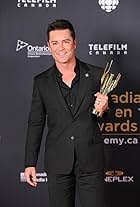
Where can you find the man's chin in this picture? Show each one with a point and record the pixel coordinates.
(62, 61)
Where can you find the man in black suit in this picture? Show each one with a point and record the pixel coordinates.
(66, 94)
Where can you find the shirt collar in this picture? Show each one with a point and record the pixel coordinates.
(59, 74)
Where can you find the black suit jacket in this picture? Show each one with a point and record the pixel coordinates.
(65, 131)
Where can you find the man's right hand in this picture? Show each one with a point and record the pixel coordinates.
(30, 175)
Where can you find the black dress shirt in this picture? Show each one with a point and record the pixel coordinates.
(69, 93)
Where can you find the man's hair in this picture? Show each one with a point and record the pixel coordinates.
(61, 24)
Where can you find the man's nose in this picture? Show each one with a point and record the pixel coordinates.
(61, 46)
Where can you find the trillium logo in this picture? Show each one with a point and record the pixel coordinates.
(21, 45)
(108, 5)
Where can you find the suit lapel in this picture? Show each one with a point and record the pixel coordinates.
(54, 87)
(60, 97)
(84, 81)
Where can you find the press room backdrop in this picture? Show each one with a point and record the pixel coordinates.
(105, 29)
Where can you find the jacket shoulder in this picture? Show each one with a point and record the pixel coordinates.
(92, 68)
(44, 74)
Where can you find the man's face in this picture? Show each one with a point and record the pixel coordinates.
(62, 46)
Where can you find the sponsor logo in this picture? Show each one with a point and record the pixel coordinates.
(107, 49)
(108, 5)
(118, 176)
(21, 45)
(32, 51)
(114, 173)
(41, 177)
(37, 3)
(121, 141)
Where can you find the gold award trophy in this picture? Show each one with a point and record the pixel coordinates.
(108, 82)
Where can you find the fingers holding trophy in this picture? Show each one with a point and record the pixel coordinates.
(108, 84)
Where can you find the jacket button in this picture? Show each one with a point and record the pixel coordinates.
(72, 137)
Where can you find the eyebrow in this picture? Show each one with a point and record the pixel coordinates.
(62, 40)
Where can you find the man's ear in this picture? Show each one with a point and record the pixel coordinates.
(75, 43)
(49, 46)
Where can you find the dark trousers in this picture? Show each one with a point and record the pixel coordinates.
(90, 188)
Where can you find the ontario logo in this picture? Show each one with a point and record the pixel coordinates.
(118, 176)
(108, 5)
(32, 51)
(36, 3)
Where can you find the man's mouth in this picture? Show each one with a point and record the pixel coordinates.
(61, 54)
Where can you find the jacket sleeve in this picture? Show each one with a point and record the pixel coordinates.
(36, 123)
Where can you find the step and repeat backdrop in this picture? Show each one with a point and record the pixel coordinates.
(106, 30)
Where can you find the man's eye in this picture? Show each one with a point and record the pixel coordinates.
(66, 41)
(54, 43)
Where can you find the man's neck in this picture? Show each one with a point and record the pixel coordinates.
(66, 67)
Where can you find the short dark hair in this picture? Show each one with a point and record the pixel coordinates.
(60, 24)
